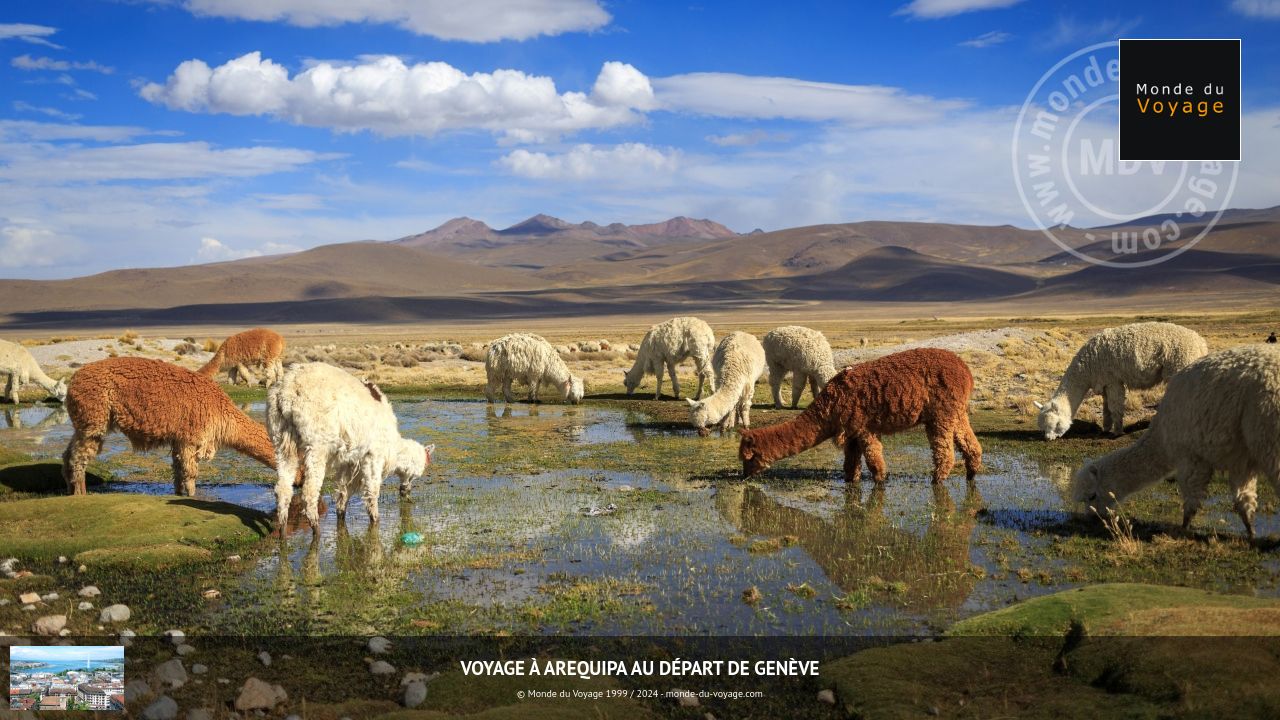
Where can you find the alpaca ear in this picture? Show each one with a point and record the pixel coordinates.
(429, 450)
(1039, 405)
(692, 403)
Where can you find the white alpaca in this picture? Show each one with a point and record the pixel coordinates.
(802, 352)
(1221, 413)
(17, 363)
(531, 360)
(668, 344)
(324, 418)
(1129, 357)
(738, 363)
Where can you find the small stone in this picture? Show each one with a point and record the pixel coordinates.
(49, 597)
(264, 657)
(933, 710)
(114, 614)
(686, 698)
(233, 558)
(164, 708)
(136, 690)
(9, 566)
(49, 625)
(379, 645)
(185, 649)
(625, 488)
(223, 681)
(83, 568)
(292, 717)
(171, 673)
(29, 598)
(28, 608)
(85, 605)
(198, 669)
(413, 677)
(62, 559)
(212, 594)
(382, 667)
(4, 601)
(258, 695)
(827, 697)
(200, 714)
(177, 637)
(64, 632)
(415, 693)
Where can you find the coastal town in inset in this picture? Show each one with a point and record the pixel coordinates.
(66, 677)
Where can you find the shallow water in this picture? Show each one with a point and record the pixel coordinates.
(514, 550)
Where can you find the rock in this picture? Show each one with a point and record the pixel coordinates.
(379, 645)
(83, 568)
(171, 673)
(114, 614)
(933, 710)
(382, 667)
(28, 608)
(50, 597)
(264, 657)
(198, 669)
(29, 598)
(417, 677)
(85, 605)
(686, 698)
(64, 632)
(258, 695)
(827, 697)
(223, 681)
(177, 637)
(9, 566)
(415, 693)
(185, 649)
(292, 717)
(136, 690)
(233, 558)
(164, 708)
(200, 714)
(211, 594)
(62, 559)
(49, 625)
(4, 601)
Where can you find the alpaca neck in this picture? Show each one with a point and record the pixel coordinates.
(1073, 388)
(789, 438)
(37, 376)
(725, 398)
(244, 435)
(1137, 466)
(214, 365)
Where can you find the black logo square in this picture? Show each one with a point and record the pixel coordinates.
(1180, 100)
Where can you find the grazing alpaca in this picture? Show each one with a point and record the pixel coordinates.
(17, 363)
(259, 346)
(532, 360)
(155, 404)
(322, 417)
(885, 396)
(1221, 413)
(738, 362)
(668, 344)
(1136, 357)
(802, 352)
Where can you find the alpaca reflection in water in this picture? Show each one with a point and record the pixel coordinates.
(860, 549)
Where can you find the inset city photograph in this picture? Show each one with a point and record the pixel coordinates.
(86, 677)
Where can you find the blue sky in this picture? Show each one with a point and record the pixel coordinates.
(167, 132)
(66, 653)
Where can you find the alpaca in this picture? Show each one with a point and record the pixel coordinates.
(666, 345)
(1136, 356)
(738, 363)
(531, 359)
(259, 346)
(17, 363)
(884, 396)
(802, 352)
(321, 417)
(1221, 413)
(154, 404)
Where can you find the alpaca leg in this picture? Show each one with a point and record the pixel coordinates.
(11, 389)
(506, 390)
(702, 380)
(675, 382)
(873, 451)
(313, 471)
(776, 376)
(1245, 489)
(944, 451)
(658, 369)
(970, 448)
(79, 452)
(797, 388)
(371, 478)
(535, 386)
(1193, 485)
(288, 473)
(244, 375)
(853, 451)
(815, 387)
(342, 492)
(1113, 397)
(489, 389)
(744, 406)
(185, 469)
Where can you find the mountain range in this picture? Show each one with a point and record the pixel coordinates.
(545, 266)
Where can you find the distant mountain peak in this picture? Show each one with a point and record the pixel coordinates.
(537, 225)
(685, 227)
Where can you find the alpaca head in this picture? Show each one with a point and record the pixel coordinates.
(59, 391)
(1055, 417)
(631, 379)
(1092, 486)
(573, 390)
(753, 463)
(700, 416)
(412, 459)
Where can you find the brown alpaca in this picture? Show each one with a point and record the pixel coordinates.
(156, 404)
(259, 346)
(927, 387)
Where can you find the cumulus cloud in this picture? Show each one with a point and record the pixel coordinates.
(34, 34)
(28, 245)
(474, 21)
(387, 96)
(26, 62)
(987, 39)
(933, 9)
(44, 163)
(1258, 8)
(214, 250)
(750, 96)
(589, 162)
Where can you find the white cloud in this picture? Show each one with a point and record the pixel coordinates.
(933, 9)
(22, 106)
(27, 245)
(1258, 8)
(987, 39)
(1070, 31)
(44, 163)
(289, 201)
(750, 96)
(37, 131)
(34, 34)
(628, 161)
(475, 20)
(214, 250)
(747, 139)
(26, 62)
(388, 97)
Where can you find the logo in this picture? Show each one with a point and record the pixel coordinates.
(1095, 206)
